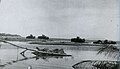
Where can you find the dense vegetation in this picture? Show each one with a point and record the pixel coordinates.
(104, 42)
(39, 37)
(43, 37)
(30, 36)
(78, 39)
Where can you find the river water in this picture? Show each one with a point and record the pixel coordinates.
(10, 57)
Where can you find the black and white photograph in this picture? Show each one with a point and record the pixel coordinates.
(59, 34)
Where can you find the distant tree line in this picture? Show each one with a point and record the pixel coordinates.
(30, 37)
(78, 39)
(43, 37)
(104, 42)
(39, 37)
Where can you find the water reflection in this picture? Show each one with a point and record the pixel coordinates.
(44, 57)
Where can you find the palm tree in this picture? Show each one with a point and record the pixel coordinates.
(108, 50)
(96, 64)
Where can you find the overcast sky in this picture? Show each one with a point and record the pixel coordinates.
(61, 18)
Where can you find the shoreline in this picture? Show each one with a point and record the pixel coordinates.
(65, 43)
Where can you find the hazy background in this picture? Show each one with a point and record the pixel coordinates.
(61, 18)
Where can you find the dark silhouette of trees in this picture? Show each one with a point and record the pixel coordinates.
(39, 37)
(104, 42)
(30, 37)
(78, 39)
(43, 37)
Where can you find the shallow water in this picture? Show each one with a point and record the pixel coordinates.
(8, 54)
